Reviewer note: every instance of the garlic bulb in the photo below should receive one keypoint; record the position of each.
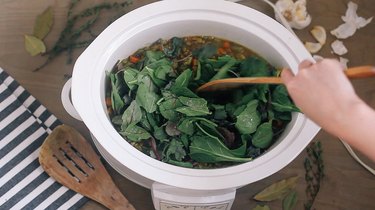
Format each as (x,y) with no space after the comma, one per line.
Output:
(294,12)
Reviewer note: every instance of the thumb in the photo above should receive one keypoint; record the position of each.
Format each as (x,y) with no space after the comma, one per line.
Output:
(286,75)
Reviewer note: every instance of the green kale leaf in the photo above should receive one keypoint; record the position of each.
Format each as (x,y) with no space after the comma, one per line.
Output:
(131,77)
(193,106)
(209,150)
(249,119)
(135,133)
(281,101)
(146,95)
(263,136)
(132,115)
(254,67)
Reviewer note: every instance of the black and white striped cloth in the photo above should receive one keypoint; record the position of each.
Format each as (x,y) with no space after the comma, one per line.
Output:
(24,124)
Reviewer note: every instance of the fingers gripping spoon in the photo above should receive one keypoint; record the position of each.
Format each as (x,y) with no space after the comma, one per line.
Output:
(67,157)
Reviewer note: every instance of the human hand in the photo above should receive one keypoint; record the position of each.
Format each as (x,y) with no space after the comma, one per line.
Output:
(326,96)
(322,92)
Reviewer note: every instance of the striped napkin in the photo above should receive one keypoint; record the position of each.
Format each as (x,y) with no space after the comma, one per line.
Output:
(24,125)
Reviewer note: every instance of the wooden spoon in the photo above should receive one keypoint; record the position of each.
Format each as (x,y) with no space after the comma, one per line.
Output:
(67,157)
(224,84)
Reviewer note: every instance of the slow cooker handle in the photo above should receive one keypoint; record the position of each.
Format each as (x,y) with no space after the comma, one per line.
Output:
(67,102)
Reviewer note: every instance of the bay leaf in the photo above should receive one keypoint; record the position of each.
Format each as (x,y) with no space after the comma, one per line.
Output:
(33,45)
(259,207)
(43,24)
(277,190)
(290,201)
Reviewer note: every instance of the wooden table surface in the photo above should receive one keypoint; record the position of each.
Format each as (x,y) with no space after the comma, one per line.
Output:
(346,185)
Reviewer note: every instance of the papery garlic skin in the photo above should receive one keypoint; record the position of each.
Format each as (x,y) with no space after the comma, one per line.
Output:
(351,22)
(344,62)
(338,47)
(294,12)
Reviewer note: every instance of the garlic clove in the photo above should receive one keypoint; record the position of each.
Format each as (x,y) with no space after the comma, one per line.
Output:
(319,33)
(313,47)
(317,57)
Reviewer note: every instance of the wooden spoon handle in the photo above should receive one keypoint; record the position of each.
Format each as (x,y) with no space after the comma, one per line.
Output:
(360,72)
(351,73)
(223,84)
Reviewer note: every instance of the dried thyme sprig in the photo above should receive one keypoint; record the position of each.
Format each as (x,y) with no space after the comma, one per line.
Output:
(69,38)
(314,172)
(73,3)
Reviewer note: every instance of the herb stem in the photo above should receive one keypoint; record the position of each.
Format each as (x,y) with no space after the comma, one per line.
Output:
(70,36)
(314,172)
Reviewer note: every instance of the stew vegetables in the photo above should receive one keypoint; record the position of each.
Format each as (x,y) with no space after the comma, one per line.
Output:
(152,103)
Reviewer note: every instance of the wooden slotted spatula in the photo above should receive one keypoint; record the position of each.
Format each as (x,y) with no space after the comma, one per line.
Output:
(67,157)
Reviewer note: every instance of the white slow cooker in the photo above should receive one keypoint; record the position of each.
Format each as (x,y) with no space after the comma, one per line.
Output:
(172,185)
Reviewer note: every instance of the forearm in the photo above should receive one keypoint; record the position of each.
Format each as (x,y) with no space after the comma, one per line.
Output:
(357,127)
